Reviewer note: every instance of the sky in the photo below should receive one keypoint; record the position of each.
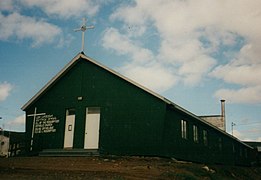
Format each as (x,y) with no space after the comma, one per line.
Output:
(194,53)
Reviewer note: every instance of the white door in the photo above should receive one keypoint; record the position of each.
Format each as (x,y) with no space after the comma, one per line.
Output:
(69,131)
(92,126)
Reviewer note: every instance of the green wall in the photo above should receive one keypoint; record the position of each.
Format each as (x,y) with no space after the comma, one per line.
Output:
(220,149)
(132,120)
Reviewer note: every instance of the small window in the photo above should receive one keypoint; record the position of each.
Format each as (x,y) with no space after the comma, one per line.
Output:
(93,110)
(220,144)
(233,148)
(184,134)
(195,133)
(205,137)
(70,111)
(246,154)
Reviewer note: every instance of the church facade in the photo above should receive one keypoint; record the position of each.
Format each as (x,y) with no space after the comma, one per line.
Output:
(91,107)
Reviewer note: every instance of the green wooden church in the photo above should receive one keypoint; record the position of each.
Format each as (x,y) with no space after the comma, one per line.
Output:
(90,107)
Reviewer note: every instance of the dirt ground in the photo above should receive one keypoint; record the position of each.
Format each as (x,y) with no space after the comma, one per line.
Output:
(117,168)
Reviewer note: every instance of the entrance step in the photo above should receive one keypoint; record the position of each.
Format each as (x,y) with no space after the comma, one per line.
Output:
(69,152)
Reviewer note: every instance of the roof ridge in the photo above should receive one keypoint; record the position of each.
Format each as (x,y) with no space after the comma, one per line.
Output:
(83,56)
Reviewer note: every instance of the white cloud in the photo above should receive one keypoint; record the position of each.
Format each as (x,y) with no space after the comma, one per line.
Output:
(123,45)
(248,135)
(238,134)
(14,25)
(17,124)
(24,27)
(65,8)
(143,68)
(244,70)
(130,14)
(190,33)
(243,95)
(5,89)
(152,76)
(179,56)
(6,5)
(239,74)
(20,120)
(111,40)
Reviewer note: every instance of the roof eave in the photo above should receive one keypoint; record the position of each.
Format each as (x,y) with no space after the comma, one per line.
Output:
(209,124)
(36,96)
(83,56)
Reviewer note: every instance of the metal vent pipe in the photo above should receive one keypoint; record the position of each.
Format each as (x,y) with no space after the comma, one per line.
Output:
(223,113)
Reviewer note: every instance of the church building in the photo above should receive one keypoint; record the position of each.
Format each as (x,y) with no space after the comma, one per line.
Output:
(90,107)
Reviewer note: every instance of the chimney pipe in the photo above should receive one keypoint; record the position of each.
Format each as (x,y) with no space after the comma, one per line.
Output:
(223,113)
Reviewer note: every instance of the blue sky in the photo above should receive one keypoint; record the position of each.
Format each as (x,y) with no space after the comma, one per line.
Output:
(191,52)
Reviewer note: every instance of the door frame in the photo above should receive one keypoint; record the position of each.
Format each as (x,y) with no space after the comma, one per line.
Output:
(69,129)
(92,128)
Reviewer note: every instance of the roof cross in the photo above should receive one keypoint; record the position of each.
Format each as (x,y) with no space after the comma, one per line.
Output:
(83,28)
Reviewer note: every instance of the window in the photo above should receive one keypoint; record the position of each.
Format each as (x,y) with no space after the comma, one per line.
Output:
(70,111)
(195,133)
(220,144)
(246,155)
(184,129)
(93,110)
(205,137)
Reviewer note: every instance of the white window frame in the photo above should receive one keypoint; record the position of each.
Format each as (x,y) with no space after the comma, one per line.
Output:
(220,143)
(205,137)
(195,133)
(184,129)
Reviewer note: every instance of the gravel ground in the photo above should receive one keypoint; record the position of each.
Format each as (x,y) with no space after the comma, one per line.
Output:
(117,168)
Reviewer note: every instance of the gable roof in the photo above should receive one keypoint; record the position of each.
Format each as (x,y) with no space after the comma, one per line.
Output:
(84,57)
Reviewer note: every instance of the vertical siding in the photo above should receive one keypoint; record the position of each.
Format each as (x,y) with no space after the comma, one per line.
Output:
(219,149)
(133,122)
(131,119)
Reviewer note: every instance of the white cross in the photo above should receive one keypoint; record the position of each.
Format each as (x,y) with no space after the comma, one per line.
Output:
(34,115)
(83,28)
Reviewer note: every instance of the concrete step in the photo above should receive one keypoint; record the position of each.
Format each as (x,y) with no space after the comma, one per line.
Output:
(69,152)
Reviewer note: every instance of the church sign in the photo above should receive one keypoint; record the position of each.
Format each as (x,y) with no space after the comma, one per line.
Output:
(45,124)
(42,123)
